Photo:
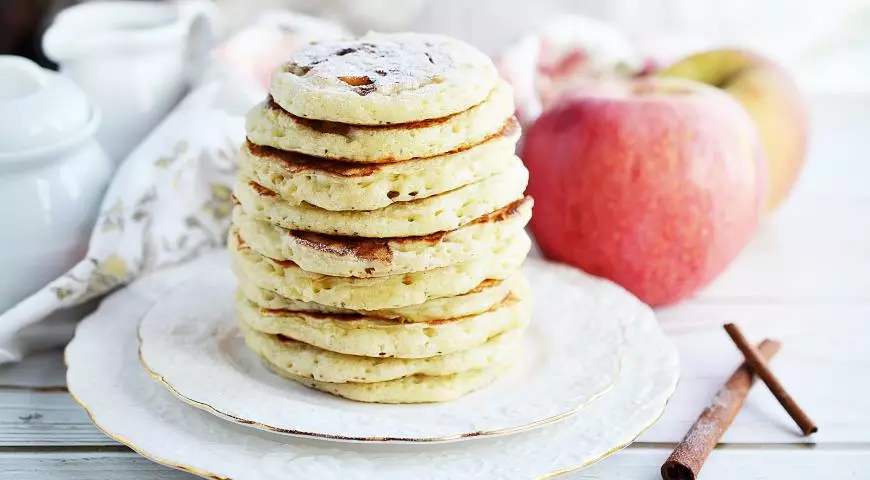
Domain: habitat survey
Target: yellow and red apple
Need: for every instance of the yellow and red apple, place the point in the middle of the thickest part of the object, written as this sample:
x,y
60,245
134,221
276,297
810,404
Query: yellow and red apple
x,y
770,96
656,185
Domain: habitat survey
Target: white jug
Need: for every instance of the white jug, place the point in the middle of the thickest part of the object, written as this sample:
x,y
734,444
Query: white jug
x,y
132,58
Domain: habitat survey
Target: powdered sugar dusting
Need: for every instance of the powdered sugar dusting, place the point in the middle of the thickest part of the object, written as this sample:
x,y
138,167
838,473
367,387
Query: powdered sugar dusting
x,y
724,399
709,427
386,63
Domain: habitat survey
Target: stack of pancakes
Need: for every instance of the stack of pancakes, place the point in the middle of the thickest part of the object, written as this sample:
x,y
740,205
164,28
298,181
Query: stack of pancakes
x,y
380,217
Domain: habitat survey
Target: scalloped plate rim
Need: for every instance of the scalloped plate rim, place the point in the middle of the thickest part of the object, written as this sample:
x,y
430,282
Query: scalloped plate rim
x,y
116,424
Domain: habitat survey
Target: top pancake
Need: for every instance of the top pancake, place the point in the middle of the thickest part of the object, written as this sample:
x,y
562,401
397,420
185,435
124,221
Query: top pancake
x,y
271,125
383,79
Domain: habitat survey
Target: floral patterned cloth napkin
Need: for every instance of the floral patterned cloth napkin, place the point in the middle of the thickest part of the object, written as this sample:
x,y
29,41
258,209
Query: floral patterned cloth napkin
x,y
171,199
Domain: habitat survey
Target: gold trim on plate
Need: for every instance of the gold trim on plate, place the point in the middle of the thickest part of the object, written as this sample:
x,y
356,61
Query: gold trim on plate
x,y
567,470
446,438
214,476
123,440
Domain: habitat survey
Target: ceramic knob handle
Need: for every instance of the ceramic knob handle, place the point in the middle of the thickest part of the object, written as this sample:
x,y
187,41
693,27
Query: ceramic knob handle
x,y
19,77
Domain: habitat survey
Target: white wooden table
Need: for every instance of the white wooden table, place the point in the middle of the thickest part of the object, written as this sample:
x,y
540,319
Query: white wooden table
x,y
805,280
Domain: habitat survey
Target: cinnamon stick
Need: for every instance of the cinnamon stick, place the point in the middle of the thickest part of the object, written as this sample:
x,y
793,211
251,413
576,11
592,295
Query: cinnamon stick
x,y
690,454
759,366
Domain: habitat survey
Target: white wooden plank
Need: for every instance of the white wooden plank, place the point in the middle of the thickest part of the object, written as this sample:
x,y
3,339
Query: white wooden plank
x,y
630,464
44,418
823,364
43,370
730,464
84,466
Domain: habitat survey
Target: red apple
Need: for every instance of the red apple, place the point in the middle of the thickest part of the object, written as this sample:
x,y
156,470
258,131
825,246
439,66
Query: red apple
x,y
657,187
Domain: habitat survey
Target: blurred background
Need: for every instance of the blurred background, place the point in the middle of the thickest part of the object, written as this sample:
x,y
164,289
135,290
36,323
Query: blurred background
x,y
826,43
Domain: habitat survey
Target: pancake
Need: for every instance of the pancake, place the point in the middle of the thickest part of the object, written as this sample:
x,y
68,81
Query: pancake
x,y
298,358
378,338
290,281
480,299
270,125
378,257
413,389
336,185
383,78
439,213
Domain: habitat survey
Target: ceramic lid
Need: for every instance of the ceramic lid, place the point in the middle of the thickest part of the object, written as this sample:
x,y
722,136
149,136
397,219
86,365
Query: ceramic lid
x,y
39,108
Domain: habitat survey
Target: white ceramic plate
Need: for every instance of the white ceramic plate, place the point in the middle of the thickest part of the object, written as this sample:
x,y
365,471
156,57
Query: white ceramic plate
x,y
189,342
106,378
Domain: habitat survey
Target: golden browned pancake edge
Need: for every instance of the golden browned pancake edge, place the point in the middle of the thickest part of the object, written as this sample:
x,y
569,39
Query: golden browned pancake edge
x,y
295,163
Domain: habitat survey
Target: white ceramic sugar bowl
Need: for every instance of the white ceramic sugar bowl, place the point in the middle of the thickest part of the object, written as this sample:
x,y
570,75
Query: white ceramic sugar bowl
x,y
52,176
